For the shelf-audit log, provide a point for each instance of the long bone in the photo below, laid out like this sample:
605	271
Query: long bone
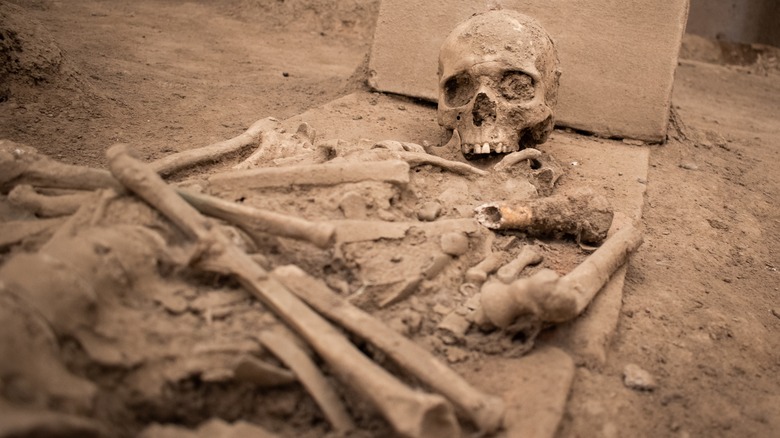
581	213
411	413
484	410
392	171
546	297
41	170
310	377
253	220
213	152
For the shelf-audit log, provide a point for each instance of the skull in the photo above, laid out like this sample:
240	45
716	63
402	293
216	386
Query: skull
498	83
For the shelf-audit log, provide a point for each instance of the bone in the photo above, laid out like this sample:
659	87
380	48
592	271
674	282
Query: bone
23	422
348	231
256	221
410	413
47	206
310	377
515	157
435	266
253	370
13	232
581	214
250	219
527	257
327	174
214	152
483	410
41	171
547	297
283	149
479	273
416	159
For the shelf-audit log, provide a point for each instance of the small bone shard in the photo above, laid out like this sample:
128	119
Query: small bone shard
182	160
581	213
411	413
327	174
547	298
527	257
312	379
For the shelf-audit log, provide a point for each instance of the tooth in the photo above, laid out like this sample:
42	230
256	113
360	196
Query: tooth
486	148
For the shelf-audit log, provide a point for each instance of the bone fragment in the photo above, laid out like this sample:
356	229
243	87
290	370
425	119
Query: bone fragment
46	206
348	231
326	174
310	377
547	297
411	413
255	221
581	213
437	264
527	257
403	291
484	410
515	157
182	160
479	273
262	374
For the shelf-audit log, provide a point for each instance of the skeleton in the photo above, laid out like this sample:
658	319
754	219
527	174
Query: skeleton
498	83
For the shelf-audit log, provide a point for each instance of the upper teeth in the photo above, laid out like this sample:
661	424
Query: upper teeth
485	148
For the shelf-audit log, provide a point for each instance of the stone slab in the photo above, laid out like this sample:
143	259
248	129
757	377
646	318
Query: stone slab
535	389
613	168
618	58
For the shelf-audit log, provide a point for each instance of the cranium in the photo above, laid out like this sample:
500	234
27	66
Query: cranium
498	83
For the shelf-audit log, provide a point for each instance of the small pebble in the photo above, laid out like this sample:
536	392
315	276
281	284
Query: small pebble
635	377
455	355
454	243
429	211
689	165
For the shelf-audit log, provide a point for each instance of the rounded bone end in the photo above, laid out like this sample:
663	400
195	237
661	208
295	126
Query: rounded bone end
497	304
489	215
430	416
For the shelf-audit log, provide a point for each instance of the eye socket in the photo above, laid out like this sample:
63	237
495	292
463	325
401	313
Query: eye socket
459	89
517	86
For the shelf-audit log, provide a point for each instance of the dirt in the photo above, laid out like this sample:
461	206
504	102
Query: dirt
700	311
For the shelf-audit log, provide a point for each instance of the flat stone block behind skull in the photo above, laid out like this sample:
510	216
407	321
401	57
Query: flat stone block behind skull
618	58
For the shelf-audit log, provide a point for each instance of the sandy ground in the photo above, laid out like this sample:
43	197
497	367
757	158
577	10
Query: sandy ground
701	308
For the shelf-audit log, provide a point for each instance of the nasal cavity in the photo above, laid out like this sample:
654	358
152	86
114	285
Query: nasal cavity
484	110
